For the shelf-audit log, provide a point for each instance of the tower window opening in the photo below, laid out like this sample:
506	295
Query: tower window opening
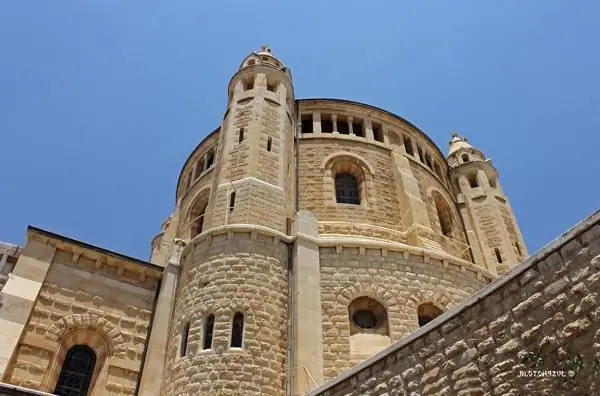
326	123
377	131
518	249
251	62
265	58
420	151
357	127
209	326
493	182
185	331
269	142
346	189
465	158
272	87
210	159
342	126
248	83
241	135
498	256
77	371
473	182
307	123
365	319
237	330
426	313
408	147
231	201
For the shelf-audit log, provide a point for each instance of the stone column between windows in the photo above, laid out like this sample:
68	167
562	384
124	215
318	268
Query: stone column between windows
19	294
317	123
350	126
307	344
152	373
369	130
334	122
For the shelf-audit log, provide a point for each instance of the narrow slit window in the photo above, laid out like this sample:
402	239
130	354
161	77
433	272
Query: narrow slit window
493	183
377	132
498	256
408	146
518	248
307	123
269	142
209	327
184	339
231	201
241	135
237	330
428	161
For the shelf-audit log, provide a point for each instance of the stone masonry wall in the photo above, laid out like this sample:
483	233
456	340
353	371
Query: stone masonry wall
426	181
399	283
383	204
223	276
542	319
79	296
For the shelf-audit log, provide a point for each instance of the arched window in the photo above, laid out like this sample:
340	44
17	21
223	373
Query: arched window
237	330
185	332
346	189
199	168
210	158
367	316
77	370
427	312
444	214
465	158
209	327
197	217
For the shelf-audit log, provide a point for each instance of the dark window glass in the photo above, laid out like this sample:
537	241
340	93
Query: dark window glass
77	370
208	332
237	330
346	189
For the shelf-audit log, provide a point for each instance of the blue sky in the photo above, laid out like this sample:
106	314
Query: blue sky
102	101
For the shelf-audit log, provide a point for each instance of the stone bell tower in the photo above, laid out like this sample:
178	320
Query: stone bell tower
253	183
491	226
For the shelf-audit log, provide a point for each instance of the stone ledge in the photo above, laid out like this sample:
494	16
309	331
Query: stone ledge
553	247
13	390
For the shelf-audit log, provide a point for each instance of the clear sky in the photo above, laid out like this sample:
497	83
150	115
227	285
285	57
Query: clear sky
102	101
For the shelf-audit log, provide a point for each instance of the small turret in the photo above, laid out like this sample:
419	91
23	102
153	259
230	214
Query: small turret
491	227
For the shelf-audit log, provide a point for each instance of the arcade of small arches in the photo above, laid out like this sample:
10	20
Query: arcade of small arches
204	163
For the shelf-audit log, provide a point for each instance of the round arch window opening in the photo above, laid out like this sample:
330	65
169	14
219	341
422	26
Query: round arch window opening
365	319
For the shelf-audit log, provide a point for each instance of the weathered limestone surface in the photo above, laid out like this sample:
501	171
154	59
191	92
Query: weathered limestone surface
85	301
542	320
222	276
400	283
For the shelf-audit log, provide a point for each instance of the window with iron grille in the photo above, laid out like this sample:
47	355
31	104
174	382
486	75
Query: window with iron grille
346	189
77	370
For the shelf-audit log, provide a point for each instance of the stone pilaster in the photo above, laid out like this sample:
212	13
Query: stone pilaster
19	294
154	363
307	353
